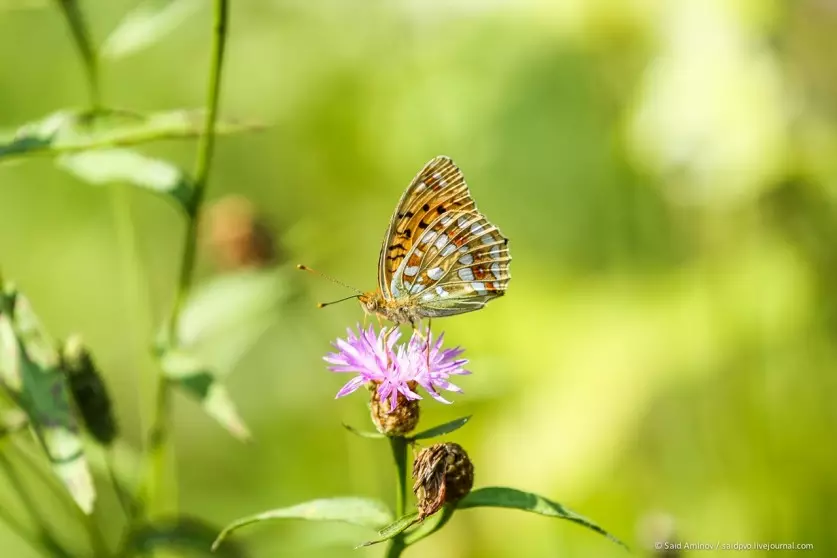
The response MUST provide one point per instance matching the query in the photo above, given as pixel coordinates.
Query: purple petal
(350, 386)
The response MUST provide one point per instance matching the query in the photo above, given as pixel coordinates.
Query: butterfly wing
(458, 262)
(438, 187)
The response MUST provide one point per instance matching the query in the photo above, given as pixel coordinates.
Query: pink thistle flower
(375, 358)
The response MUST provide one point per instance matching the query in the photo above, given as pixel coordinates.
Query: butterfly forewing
(456, 260)
(437, 188)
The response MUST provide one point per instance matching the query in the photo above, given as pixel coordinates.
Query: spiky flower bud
(393, 422)
(89, 391)
(443, 474)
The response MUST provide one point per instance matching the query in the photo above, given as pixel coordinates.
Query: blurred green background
(666, 172)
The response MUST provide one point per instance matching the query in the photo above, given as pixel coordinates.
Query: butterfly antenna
(324, 304)
(333, 280)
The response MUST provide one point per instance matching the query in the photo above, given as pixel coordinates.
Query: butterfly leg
(417, 329)
(428, 344)
(386, 341)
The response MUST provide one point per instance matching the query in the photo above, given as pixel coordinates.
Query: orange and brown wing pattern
(460, 265)
(437, 189)
(455, 262)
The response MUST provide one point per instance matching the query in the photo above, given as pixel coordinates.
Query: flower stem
(81, 36)
(398, 445)
(158, 436)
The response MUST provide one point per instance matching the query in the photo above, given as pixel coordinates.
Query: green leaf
(148, 23)
(182, 533)
(70, 131)
(442, 429)
(30, 375)
(500, 497)
(430, 525)
(220, 323)
(198, 380)
(363, 434)
(395, 528)
(364, 512)
(109, 166)
(227, 315)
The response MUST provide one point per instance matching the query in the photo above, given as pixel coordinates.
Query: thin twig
(158, 436)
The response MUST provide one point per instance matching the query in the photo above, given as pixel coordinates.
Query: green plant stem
(43, 541)
(159, 430)
(121, 494)
(398, 445)
(97, 539)
(81, 36)
(23, 533)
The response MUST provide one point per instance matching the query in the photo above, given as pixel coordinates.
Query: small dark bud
(237, 236)
(397, 422)
(89, 391)
(443, 474)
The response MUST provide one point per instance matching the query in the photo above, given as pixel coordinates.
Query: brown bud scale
(443, 474)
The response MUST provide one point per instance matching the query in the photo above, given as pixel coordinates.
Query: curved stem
(158, 436)
(81, 36)
(398, 445)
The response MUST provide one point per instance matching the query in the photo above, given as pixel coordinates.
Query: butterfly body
(440, 255)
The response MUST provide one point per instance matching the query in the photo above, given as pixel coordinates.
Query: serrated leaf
(501, 497)
(442, 429)
(220, 323)
(362, 433)
(364, 512)
(393, 529)
(147, 24)
(182, 533)
(30, 374)
(109, 166)
(70, 131)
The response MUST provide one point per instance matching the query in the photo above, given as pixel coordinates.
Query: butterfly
(440, 255)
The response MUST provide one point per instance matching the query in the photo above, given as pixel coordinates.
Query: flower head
(443, 474)
(375, 359)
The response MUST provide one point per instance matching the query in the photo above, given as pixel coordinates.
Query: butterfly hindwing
(460, 264)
